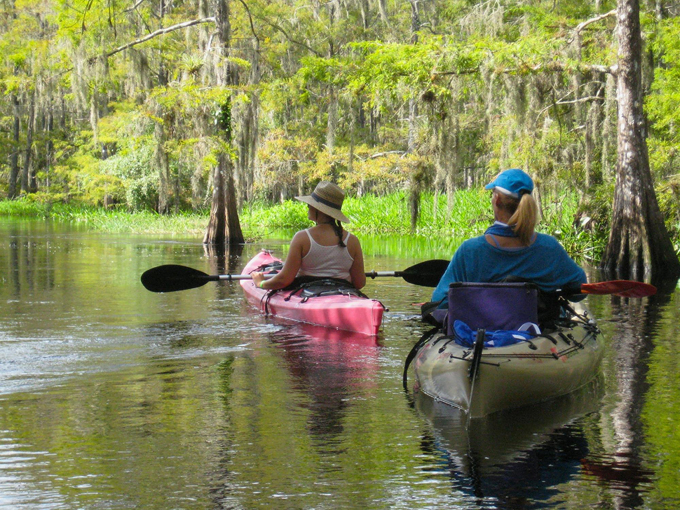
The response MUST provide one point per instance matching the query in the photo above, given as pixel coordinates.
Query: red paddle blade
(622, 288)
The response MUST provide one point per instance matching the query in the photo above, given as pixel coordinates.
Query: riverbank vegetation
(370, 215)
(148, 108)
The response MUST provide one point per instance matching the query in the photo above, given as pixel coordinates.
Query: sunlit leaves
(663, 102)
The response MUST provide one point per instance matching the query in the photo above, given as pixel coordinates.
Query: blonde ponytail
(524, 215)
(524, 219)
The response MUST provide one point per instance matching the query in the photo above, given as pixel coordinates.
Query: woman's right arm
(442, 290)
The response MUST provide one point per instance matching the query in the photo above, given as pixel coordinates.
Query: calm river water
(115, 397)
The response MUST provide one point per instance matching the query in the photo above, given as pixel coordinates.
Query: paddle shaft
(230, 277)
(234, 277)
(172, 277)
(474, 369)
(375, 274)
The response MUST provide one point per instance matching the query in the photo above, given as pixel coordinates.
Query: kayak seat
(492, 306)
(308, 287)
(312, 286)
(549, 304)
(550, 307)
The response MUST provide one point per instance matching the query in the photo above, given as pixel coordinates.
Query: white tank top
(326, 261)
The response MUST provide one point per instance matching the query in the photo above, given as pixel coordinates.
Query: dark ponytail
(337, 228)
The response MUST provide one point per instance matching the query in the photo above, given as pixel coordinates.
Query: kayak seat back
(308, 287)
(492, 306)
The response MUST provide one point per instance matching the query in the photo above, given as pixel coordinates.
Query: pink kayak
(339, 311)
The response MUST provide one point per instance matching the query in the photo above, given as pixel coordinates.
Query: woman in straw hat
(324, 250)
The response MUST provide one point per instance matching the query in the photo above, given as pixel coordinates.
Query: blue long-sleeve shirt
(544, 262)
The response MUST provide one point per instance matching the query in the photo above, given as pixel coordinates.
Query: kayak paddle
(621, 288)
(425, 274)
(173, 277)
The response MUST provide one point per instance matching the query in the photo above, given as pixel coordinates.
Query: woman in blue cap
(510, 247)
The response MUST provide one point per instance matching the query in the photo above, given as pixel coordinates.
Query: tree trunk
(49, 149)
(233, 232)
(639, 246)
(453, 154)
(608, 128)
(591, 136)
(250, 129)
(365, 14)
(163, 170)
(27, 184)
(332, 123)
(224, 225)
(216, 231)
(382, 7)
(14, 160)
(373, 129)
(412, 106)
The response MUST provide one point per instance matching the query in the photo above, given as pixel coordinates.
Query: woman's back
(511, 247)
(325, 257)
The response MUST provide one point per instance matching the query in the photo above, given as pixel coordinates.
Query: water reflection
(332, 368)
(621, 466)
(28, 261)
(513, 459)
(111, 396)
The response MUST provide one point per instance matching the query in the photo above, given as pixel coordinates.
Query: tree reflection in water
(620, 466)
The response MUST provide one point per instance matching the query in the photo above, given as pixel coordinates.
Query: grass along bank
(467, 215)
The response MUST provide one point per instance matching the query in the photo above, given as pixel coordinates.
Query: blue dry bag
(465, 336)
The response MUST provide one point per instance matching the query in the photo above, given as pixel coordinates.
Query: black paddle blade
(425, 274)
(172, 277)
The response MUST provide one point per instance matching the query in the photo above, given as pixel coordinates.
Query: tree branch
(160, 31)
(139, 2)
(250, 18)
(552, 66)
(587, 22)
(572, 101)
(382, 154)
(285, 34)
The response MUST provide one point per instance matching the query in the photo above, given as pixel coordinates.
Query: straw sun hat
(327, 198)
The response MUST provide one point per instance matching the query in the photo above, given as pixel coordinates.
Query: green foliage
(473, 89)
(370, 214)
(289, 215)
(133, 167)
(669, 202)
(281, 158)
(662, 103)
(389, 214)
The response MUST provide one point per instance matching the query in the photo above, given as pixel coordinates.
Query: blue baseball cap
(513, 182)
